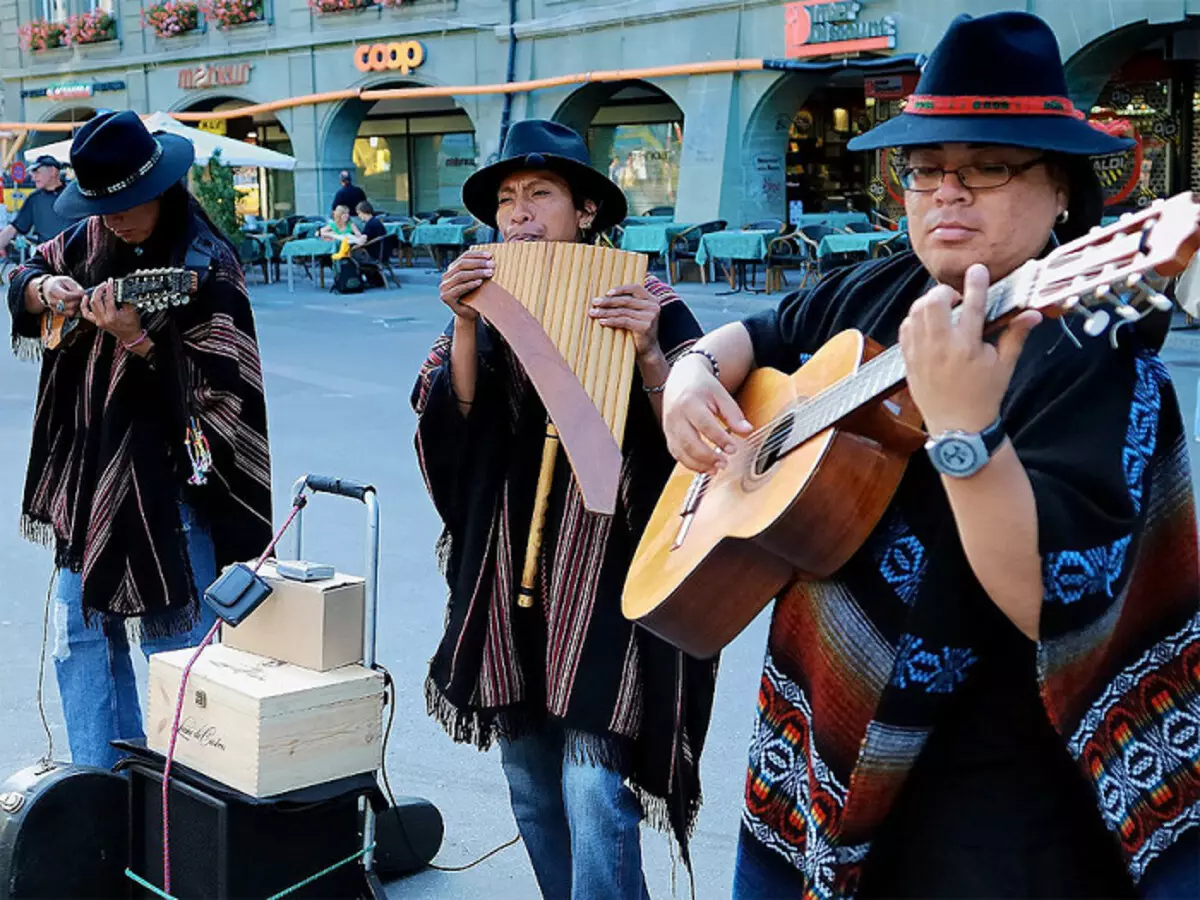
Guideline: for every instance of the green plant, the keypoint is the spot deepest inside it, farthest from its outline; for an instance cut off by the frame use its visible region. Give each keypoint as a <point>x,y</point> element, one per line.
<point>213,187</point>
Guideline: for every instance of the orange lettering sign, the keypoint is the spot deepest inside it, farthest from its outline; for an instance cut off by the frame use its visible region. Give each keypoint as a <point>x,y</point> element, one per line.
<point>396,56</point>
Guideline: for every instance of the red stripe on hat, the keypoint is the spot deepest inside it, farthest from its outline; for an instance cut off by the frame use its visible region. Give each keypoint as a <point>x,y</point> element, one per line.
<point>942,105</point>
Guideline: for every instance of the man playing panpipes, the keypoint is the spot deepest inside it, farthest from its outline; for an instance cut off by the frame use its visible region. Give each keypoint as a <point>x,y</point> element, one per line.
<point>999,694</point>
<point>599,723</point>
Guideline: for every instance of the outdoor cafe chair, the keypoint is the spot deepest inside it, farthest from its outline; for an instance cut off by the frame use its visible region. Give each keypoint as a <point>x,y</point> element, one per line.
<point>686,244</point>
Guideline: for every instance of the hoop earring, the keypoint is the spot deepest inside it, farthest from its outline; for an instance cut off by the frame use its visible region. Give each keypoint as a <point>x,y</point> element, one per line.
<point>1062,217</point>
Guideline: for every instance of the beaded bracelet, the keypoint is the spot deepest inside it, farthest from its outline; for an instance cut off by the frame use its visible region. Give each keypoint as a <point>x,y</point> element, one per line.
<point>716,366</point>
<point>140,339</point>
<point>41,291</point>
<point>656,389</point>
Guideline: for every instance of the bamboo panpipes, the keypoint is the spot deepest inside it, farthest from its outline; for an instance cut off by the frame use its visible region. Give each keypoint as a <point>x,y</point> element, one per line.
<point>556,283</point>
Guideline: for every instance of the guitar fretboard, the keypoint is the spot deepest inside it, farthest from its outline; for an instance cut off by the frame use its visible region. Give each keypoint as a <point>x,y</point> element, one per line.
<point>875,379</point>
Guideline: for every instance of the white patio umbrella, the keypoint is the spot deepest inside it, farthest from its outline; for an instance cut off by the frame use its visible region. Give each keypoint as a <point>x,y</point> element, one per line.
<point>233,153</point>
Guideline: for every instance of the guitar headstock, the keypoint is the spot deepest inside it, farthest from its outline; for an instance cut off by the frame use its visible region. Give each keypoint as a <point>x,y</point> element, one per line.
<point>157,289</point>
<point>1118,266</point>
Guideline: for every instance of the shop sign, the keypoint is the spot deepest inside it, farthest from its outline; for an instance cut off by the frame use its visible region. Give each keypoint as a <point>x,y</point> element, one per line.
<point>205,76</point>
<point>825,27</point>
<point>76,90</point>
<point>890,87</point>
<point>17,171</point>
<point>395,56</point>
<point>213,126</point>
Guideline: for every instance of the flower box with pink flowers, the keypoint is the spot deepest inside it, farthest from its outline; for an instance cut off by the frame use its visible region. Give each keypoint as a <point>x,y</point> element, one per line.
<point>93,27</point>
<point>230,13</point>
<point>41,35</point>
<point>172,17</point>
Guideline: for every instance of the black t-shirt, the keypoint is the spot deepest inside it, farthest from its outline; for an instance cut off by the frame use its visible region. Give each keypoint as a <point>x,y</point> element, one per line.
<point>372,229</point>
<point>349,196</point>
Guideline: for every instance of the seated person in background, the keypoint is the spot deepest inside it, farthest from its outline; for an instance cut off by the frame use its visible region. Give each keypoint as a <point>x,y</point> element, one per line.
<point>372,229</point>
<point>341,229</point>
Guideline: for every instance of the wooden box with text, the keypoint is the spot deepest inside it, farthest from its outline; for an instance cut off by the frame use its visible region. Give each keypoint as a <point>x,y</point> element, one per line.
<point>315,624</point>
<point>264,726</point>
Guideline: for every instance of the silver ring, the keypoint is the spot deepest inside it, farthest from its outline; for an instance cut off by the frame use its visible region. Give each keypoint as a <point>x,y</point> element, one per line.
<point>60,306</point>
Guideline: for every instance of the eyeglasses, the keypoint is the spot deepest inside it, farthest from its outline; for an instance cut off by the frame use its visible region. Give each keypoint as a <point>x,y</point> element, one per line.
<point>924,179</point>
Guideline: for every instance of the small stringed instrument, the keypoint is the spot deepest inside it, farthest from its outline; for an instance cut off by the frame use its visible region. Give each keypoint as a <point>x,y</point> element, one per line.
<point>149,289</point>
<point>830,443</point>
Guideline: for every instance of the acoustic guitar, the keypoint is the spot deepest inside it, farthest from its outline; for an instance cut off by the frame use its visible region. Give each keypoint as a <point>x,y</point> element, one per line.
<point>830,443</point>
<point>149,290</point>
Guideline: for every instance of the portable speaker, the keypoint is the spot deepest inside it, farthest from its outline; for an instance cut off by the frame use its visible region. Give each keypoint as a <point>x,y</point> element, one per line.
<point>225,845</point>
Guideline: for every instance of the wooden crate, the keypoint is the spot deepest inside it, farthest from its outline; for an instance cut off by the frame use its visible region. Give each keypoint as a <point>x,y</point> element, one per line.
<point>263,726</point>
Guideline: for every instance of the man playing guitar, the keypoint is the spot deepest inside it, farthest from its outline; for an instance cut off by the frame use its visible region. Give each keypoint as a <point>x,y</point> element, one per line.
<point>936,718</point>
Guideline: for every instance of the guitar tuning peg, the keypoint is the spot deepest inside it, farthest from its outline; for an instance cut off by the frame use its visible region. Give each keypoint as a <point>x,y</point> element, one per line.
<point>1128,313</point>
<point>1096,322</point>
<point>1161,302</point>
<point>1134,281</point>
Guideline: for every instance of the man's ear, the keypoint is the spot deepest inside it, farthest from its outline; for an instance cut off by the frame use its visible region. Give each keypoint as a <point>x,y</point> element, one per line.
<point>588,214</point>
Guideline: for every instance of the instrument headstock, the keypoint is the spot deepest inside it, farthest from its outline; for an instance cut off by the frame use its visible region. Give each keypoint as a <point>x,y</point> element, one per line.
<point>156,289</point>
<point>1115,267</point>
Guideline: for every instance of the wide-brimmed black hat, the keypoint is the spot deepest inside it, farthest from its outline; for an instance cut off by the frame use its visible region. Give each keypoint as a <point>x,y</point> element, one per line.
<point>996,79</point>
<point>119,164</point>
<point>542,144</point>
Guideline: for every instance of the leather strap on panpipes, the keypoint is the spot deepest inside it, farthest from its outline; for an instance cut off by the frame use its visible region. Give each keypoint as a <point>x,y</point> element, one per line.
<point>587,438</point>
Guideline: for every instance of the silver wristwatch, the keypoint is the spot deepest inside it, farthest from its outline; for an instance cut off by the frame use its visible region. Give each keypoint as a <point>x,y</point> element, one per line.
<point>960,454</point>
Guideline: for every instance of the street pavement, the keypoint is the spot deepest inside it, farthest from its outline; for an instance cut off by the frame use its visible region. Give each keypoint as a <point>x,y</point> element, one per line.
<point>338,375</point>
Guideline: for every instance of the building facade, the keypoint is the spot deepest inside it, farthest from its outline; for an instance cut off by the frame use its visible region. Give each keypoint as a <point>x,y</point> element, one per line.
<point>733,145</point>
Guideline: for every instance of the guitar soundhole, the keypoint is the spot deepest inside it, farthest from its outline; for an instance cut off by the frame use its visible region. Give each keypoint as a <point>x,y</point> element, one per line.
<point>773,446</point>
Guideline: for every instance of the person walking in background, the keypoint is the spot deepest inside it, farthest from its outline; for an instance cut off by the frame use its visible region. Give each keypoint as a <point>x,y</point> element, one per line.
<point>149,468</point>
<point>349,194</point>
<point>37,214</point>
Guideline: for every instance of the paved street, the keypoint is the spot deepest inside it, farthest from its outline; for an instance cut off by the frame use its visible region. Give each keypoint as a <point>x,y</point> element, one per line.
<point>338,374</point>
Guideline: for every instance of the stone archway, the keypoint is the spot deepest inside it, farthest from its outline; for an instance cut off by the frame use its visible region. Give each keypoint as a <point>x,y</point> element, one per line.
<point>411,155</point>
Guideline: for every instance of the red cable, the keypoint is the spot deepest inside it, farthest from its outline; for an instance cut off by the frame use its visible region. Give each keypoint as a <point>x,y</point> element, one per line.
<point>187,670</point>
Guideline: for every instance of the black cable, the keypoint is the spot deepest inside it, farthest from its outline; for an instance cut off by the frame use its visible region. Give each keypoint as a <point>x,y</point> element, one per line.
<point>389,686</point>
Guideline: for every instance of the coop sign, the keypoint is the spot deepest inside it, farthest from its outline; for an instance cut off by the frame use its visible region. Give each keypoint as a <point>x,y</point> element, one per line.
<point>394,56</point>
<point>828,27</point>
<point>198,78</point>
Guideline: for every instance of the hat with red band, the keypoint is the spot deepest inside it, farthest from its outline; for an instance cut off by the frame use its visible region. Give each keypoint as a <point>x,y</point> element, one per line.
<point>995,79</point>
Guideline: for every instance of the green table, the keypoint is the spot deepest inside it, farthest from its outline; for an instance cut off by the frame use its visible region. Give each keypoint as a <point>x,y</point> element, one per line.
<point>651,238</point>
<point>648,220</point>
<point>435,236</point>
<point>832,219</point>
<point>306,229</point>
<point>314,248</point>
<point>859,242</point>
<point>740,247</point>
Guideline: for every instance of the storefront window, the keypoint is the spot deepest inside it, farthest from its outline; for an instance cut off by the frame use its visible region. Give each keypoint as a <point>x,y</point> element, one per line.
<point>413,164</point>
<point>642,159</point>
<point>382,164</point>
<point>441,163</point>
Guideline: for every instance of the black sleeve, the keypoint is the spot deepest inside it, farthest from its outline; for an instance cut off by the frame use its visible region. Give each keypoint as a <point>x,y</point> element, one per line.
<point>26,325</point>
<point>1084,422</point>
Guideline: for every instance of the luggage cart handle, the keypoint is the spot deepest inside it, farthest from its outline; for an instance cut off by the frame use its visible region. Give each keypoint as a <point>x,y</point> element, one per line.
<point>343,487</point>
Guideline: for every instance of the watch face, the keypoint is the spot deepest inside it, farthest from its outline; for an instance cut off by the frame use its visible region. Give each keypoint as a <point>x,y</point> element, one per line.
<point>955,456</point>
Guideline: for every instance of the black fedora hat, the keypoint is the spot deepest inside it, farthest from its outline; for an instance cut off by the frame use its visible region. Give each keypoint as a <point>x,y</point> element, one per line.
<point>119,164</point>
<point>995,79</point>
<point>542,144</point>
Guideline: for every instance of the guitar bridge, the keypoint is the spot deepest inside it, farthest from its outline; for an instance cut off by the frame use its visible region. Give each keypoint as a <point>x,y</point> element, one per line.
<point>691,503</point>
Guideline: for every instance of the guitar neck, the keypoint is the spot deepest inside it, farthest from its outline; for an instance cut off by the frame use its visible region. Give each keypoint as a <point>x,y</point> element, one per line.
<point>883,374</point>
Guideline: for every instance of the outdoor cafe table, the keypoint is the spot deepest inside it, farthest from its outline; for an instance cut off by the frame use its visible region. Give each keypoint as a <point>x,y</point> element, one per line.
<point>651,238</point>
<point>648,220</point>
<point>310,247</point>
<point>434,236</point>
<point>832,219</point>
<point>740,247</point>
<point>858,242</point>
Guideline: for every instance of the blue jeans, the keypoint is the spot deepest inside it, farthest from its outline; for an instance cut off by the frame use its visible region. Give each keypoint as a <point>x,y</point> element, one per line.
<point>96,682</point>
<point>579,822</point>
